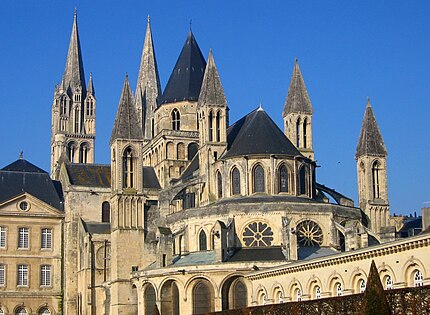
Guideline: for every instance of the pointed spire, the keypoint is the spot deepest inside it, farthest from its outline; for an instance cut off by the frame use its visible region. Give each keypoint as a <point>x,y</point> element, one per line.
<point>91,89</point>
<point>297,99</point>
<point>148,84</point>
<point>186,79</point>
<point>74,73</point>
<point>126,124</point>
<point>211,92</point>
<point>370,142</point>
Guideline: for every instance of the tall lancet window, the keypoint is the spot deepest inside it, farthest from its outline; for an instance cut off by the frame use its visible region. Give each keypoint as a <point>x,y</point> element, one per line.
<point>77,118</point>
<point>219,184</point>
<point>83,153</point>
<point>305,134</point>
<point>298,132</point>
<point>375,179</point>
<point>283,179</point>
<point>258,176</point>
<point>71,151</point>
<point>303,174</point>
<point>217,126</point>
<point>176,119</point>
<point>235,182</point>
<point>128,168</point>
<point>211,129</point>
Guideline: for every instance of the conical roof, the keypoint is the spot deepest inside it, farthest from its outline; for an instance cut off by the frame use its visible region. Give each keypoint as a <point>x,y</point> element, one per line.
<point>256,133</point>
<point>91,89</point>
<point>73,76</point>
<point>186,79</point>
<point>126,124</point>
<point>297,99</point>
<point>370,142</point>
<point>212,92</point>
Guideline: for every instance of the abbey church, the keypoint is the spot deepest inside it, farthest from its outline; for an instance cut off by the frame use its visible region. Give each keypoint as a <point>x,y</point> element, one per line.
<point>194,213</point>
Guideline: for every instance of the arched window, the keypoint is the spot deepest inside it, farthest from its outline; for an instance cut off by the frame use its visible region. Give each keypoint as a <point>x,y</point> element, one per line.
<point>202,297</point>
<point>418,279</point>
<point>128,169</point>
<point>240,295</point>
<point>71,151</point>
<point>217,126</point>
<point>83,153</point>
<point>149,298</point>
<point>105,211</point>
<point>180,244</point>
<point>309,234</point>
<point>21,311</point>
<point>362,285</point>
<point>305,127</point>
<point>63,106</point>
<point>339,289</point>
<point>180,151</point>
<point>283,179</point>
<point>262,300</point>
<point>303,180</point>
<point>388,283</point>
<point>176,119</point>
<point>203,240</point>
<point>257,234</point>
<point>210,122</point>
<point>219,184</point>
<point>44,311</point>
<point>298,132</point>
<point>258,179</point>
<point>192,150</point>
<point>235,182</point>
<point>1,311</point>
<point>317,292</point>
<point>170,151</point>
<point>375,179</point>
<point>169,298</point>
<point>77,120</point>
<point>298,295</point>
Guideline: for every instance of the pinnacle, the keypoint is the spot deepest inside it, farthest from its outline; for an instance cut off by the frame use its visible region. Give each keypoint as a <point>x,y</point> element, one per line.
<point>297,99</point>
<point>212,92</point>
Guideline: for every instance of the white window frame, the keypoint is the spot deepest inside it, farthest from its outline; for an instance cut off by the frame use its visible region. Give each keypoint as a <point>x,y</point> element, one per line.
<point>2,275</point>
<point>418,279</point>
<point>23,238</point>
<point>362,285</point>
<point>45,276</point>
<point>388,283</point>
<point>3,237</point>
<point>46,238</point>
<point>339,289</point>
<point>22,276</point>
<point>317,292</point>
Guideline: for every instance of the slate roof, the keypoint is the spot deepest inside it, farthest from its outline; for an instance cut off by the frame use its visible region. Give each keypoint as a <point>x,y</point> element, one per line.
<point>256,133</point>
<point>186,79</point>
<point>306,253</point>
<point>258,254</point>
<point>192,167</point>
<point>212,93</point>
<point>89,175</point>
<point>150,179</point>
<point>23,177</point>
<point>97,227</point>
<point>73,76</point>
<point>126,124</point>
<point>370,142</point>
<point>297,98</point>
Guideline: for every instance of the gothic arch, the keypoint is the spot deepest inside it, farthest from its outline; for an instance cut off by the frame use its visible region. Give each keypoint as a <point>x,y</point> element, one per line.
<point>180,151</point>
<point>202,296</point>
<point>176,119</point>
<point>384,271</point>
<point>278,292</point>
<point>332,283</point>
<point>149,298</point>
<point>234,292</point>
<point>170,150</point>
<point>258,178</point>
<point>356,277</point>
<point>261,295</point>
<point>202,240</point>
<point>409,269</point>
<point>192,150</point>
<point>312,285</point>
<point>219,184</point>
<point>295,287</point>
<point>72,149</point>
<point>303,184</point>
<point>235,181</point>
<point>284,178</point>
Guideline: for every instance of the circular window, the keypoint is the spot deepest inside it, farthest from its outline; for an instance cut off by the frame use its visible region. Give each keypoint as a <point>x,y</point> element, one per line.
<point>257,234</point>
<point>309,234</point>
<point>24,206</point>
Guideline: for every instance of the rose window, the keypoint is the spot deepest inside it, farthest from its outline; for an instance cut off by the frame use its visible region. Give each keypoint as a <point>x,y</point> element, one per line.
<point>257,234</point>
<point>309,234</point>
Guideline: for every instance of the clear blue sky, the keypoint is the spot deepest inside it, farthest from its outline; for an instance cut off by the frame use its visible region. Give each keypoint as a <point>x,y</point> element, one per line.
<point>347,50</point>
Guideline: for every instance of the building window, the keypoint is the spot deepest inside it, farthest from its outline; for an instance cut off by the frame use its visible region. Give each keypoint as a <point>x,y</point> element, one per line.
<point>2,237</point>
<point>257,234</point>
<point>258,176</point>
<point>23,240</point>
<point>375,179</point>
<point>46,241</point>
<point>44,311</point>
<point>388,283</point>
<point>77,120</point>
<point>128,169</point>
<point>45,275</point>
<point>21,311</point>
<point>1,311</point>
<point>202,298</point>
<point>23,205</point>
<point>180,151</point>
<point>149,299</point>
<point>305,135</point>
<point>317,292</point>
<point>362,285</point>
<point>235,180</point>
<point>203,240</point>
<point>192,150</point>
<point>176,120</point>
<point>210,122</point>
<point>303,180</point>
<point>217,126</point>
<point>309,234</point>
<point>298,295</point>
<point>2,275</point>
<point>283,179</point>
<point>298,133</point>
<point>418,279</point>
<point>339,289</point>
<point>219,184</point>
<point>105,211</point>
<point>83,153</point>
<point>22,279</point>
<point>71,150</point>
<point>240,295</point>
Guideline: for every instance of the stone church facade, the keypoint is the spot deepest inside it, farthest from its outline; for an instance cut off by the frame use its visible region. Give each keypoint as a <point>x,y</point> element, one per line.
<point>195,214</point>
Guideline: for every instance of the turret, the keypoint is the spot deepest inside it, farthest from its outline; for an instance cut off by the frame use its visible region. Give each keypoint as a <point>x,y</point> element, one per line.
<point>297,114</point>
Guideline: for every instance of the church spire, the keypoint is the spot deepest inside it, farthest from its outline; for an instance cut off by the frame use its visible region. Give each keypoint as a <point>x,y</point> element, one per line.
<point>126,124</point>
<point>148,85</point>
<point>91,89</point>
<point>74,72</point>
<point>370,142</point>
